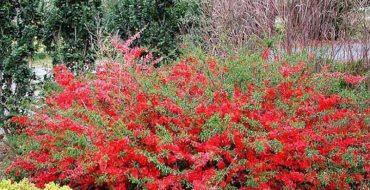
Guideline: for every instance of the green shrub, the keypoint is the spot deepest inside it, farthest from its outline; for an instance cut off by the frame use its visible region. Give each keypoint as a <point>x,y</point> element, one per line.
<point>75,30</point>
<point>69,27</point>
<point>19,26</point>
<point>26,185</point>
<point>162,21</point>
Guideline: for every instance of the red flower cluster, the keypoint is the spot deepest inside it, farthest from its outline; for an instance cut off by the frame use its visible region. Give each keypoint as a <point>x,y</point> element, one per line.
<point>62,75</point>
<point>353,80</point>
<point>195,125</point>
<point>349,79</point>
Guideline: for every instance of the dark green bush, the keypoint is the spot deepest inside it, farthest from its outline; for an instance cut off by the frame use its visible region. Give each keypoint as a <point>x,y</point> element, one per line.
<point>20,24</point>
<point>68,31</point>
<point>161,20</point>
<point>72,28</point>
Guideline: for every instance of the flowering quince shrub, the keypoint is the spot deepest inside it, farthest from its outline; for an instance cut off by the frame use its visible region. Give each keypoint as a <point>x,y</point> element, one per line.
<point>197,124</point>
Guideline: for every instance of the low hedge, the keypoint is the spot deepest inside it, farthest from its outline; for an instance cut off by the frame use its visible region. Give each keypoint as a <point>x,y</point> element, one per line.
<point>26,185</point>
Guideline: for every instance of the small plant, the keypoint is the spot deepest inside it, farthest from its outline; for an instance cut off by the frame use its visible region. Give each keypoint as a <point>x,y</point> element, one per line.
<point>26,185</point>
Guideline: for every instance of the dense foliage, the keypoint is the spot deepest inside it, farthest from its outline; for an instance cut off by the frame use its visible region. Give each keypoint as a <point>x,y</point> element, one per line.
<point>26,185</point>
<point>69,30</point>
<point>197,124</point>
<point>162,21</point>
<point>74,29</point>
<point>19,26</point>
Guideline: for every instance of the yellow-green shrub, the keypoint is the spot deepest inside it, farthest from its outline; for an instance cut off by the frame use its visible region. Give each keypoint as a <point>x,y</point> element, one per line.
<point>27,185</point>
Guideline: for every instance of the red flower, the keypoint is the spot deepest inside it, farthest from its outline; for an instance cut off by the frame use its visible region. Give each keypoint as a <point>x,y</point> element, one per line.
<point>137,52</point>
<point>62,75</point>
<point>327,103</point>
<point>265,54</point>
<point>21,120</point>
<point>353,80</point>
